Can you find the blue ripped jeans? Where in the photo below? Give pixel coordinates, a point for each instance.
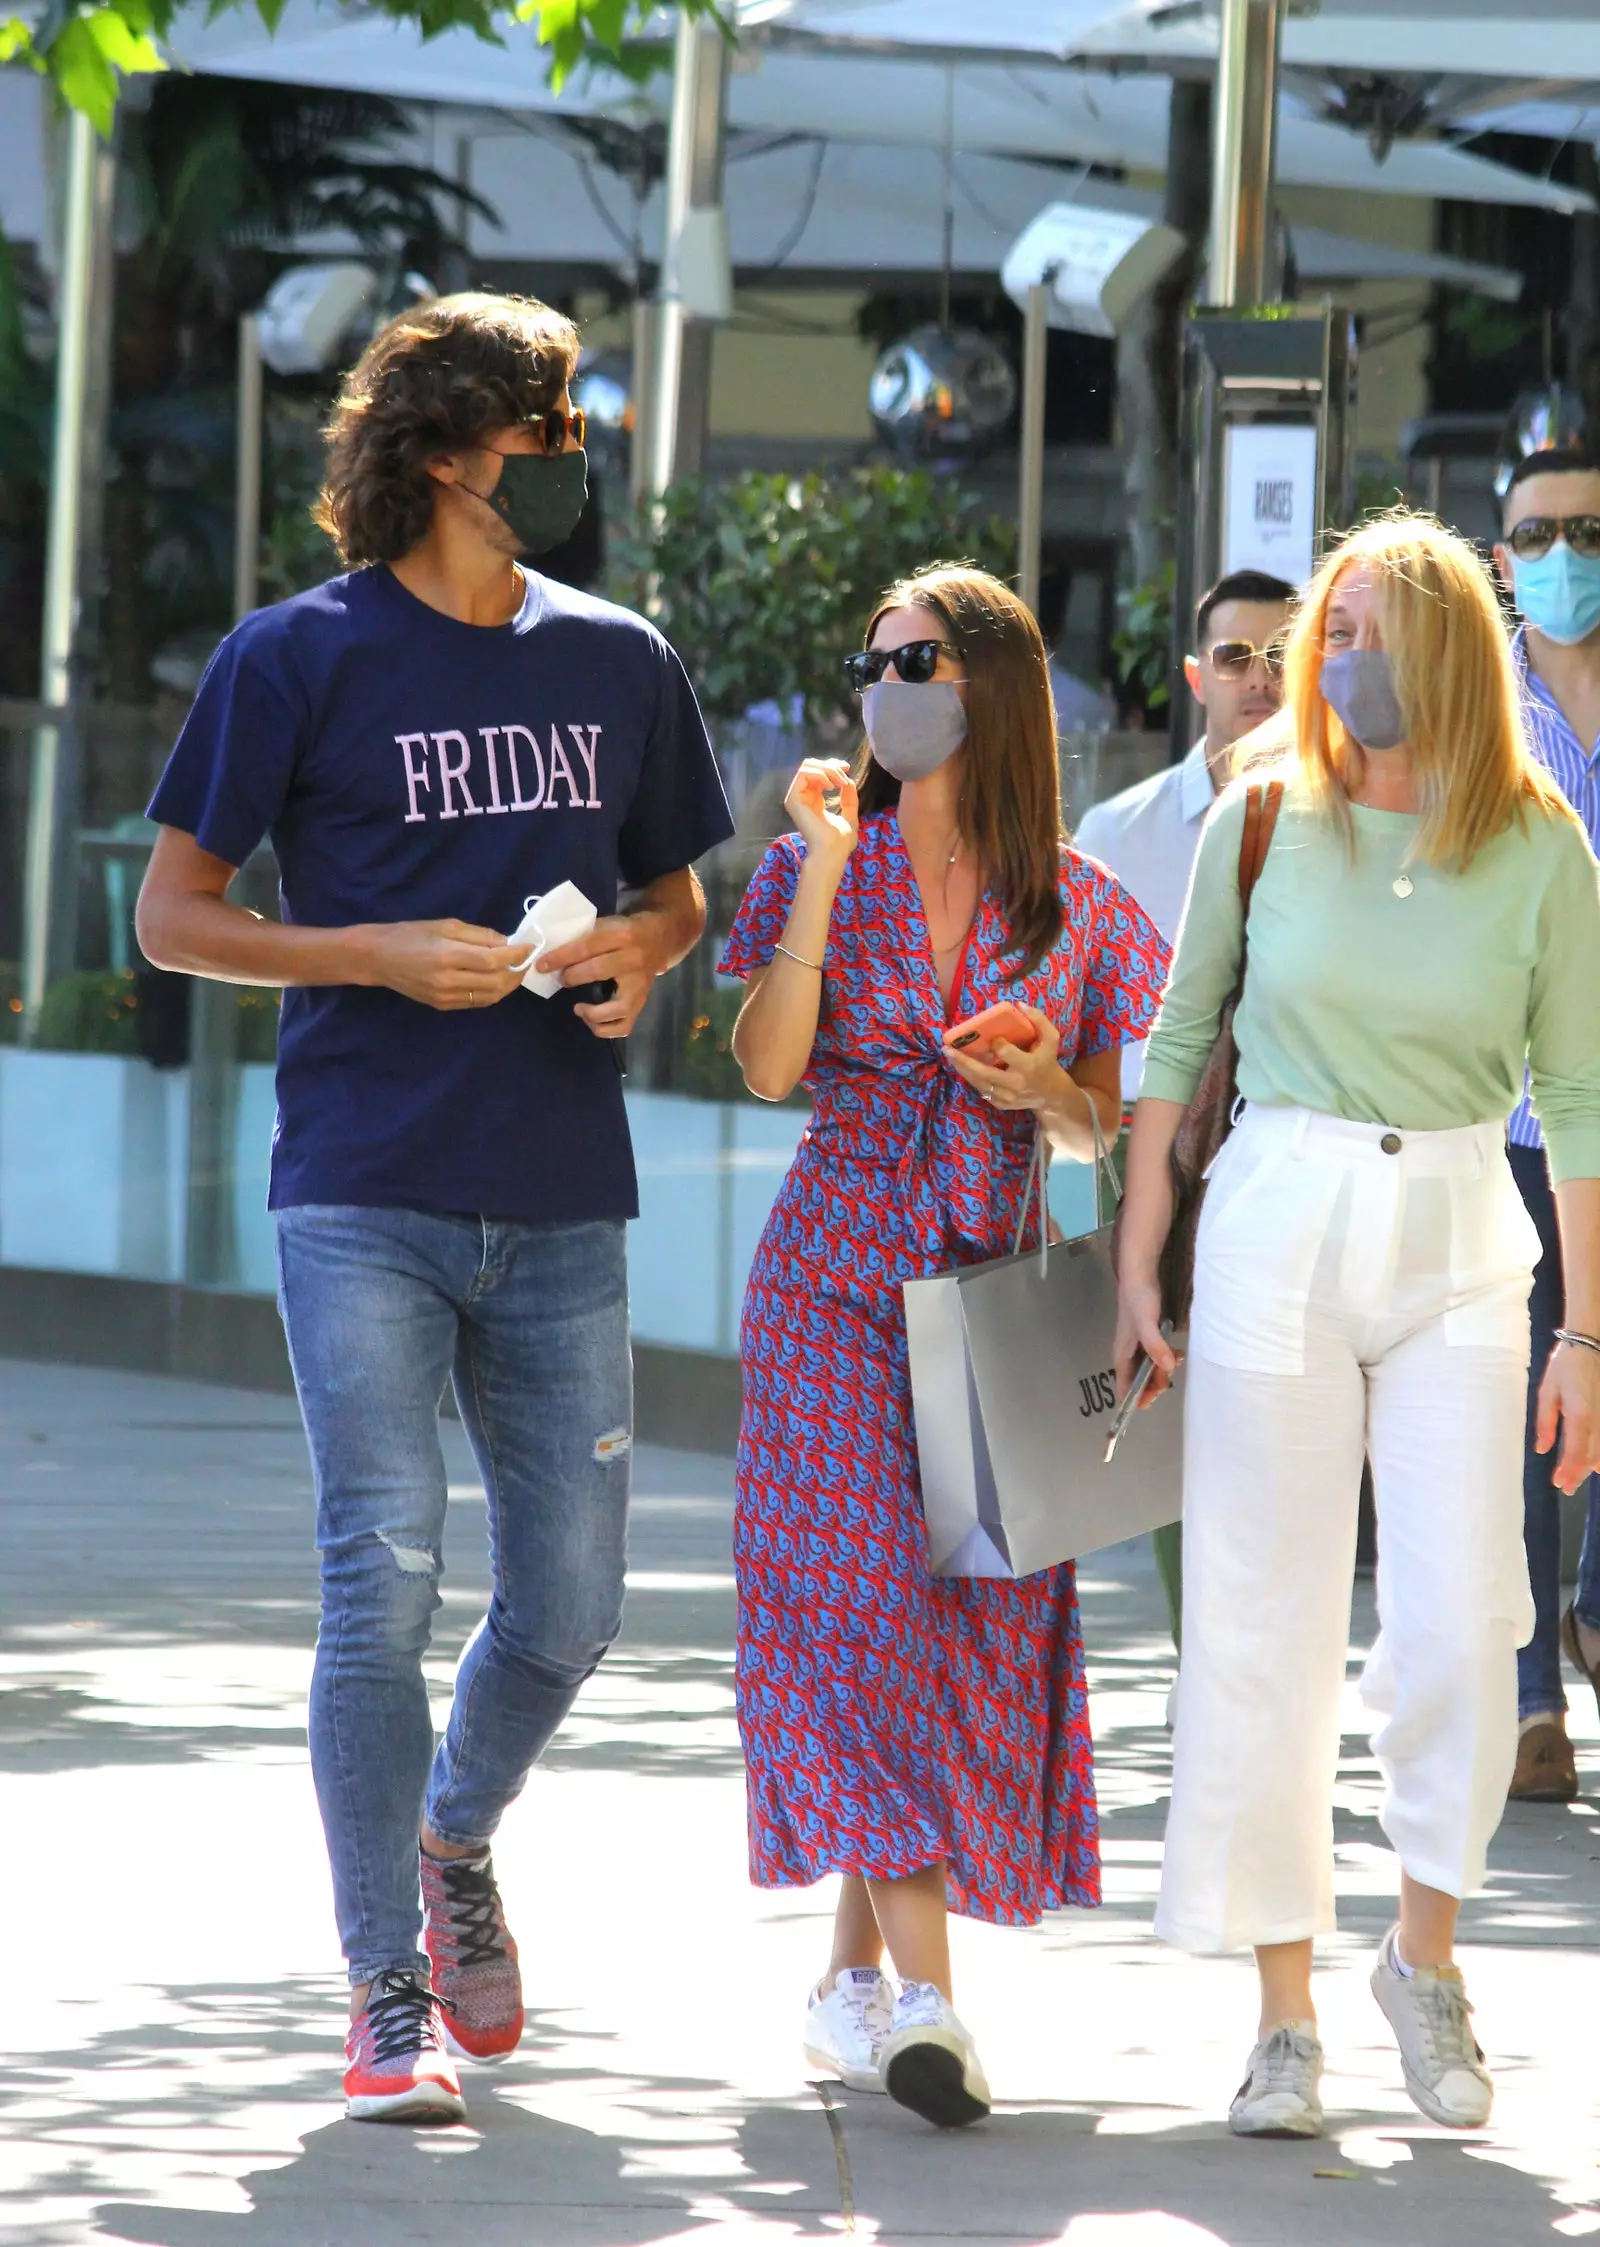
(382, 1307)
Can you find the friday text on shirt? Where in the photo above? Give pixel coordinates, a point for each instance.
(528, 779)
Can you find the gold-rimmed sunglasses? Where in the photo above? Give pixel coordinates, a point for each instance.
(1232, 659)
(1532, 538)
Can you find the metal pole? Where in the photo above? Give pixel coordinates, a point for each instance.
(1030, 497)
(695, 135)
(247, 473)
(211, 1247)
(89, 194)
(644, 373)
(1245, 151)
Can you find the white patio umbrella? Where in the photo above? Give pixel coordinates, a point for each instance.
(797, 205)
(1489, 39)
(905, 101)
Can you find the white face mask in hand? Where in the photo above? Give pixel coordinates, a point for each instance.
(914, 730)
(564, 914)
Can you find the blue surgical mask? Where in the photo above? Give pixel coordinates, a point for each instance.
(1559, 594)
(1359, 684)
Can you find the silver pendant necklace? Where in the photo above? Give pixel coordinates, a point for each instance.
(1403, 885)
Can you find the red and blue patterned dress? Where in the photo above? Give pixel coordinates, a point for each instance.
(891, 1720)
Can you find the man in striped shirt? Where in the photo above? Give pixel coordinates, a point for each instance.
(1549, 559)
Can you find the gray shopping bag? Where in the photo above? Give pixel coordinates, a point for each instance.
(1012, 1392)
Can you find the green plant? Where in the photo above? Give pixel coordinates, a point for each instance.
(89, 1011)
(10, 1002)
(93, 1010)
(1142, 642)
(257, 1036)
(87, 47)
(762, 584)
(294, 553)
(706, 1069)
(1378, 488)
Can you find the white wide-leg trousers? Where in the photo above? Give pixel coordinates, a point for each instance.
(1357, 1290)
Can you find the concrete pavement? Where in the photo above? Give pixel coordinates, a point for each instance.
(173, 2002)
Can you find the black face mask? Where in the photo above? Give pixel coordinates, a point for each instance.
(541, 496)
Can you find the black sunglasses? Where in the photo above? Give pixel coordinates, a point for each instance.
(1232, 659)
(553, 428)
(1533, 538)
(915, 662)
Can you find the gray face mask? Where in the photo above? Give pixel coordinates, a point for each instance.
(914, 730)
(1359, 685)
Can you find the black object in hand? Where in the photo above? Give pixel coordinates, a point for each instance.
(594, 994)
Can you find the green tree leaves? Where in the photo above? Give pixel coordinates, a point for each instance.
(87, 51)
(764, 584)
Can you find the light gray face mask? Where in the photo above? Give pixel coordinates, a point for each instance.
(914, 730)
(1359, 684)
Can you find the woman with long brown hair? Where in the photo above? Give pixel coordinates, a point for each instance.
(925, 1740)
(1424, 929)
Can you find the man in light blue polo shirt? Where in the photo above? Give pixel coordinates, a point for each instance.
(1549, 559)
(1149, 834)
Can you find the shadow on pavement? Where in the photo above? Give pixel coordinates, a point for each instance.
(232, 2074)
(1034, 2169)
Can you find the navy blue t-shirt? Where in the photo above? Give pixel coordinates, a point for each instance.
(409, 767)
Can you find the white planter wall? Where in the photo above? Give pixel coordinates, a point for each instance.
(94, 1178)
(94, 1156)
(255, 1117)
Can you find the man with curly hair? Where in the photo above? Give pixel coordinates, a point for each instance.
(429, 741)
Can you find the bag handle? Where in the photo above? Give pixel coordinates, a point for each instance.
(1105, 1170)
(1038, 1169)
(1105, 1175)
(1261, 808)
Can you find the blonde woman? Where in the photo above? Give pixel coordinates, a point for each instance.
(1426, 925)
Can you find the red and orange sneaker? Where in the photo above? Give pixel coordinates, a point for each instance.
(473, 1956)
(399, 2070)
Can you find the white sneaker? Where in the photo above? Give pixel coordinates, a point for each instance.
(1280, 2096)
(845, 2030)
(1439, 2054)
(929, 2064)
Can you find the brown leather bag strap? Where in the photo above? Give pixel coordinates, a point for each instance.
(1260, 818)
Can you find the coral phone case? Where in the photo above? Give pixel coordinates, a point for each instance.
(976, 1037)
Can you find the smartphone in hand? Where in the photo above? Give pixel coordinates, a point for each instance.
(979, 1034)
(1143, 1373)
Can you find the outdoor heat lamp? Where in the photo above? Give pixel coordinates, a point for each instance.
(309, 311)
(942, 393)
(1096, 264)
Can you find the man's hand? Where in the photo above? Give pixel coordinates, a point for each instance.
(1569, 1401)
(449, 965)
(629, 949)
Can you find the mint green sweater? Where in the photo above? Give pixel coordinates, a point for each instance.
(1417, 1011)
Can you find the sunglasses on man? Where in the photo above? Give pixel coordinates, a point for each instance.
(1536, 534)
(552, 429)
(1232, 659)
(915, 663)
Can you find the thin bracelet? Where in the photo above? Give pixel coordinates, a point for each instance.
(1580, 1341)
(817, 964)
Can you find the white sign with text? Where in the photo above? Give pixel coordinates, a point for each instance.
(1269, 472)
